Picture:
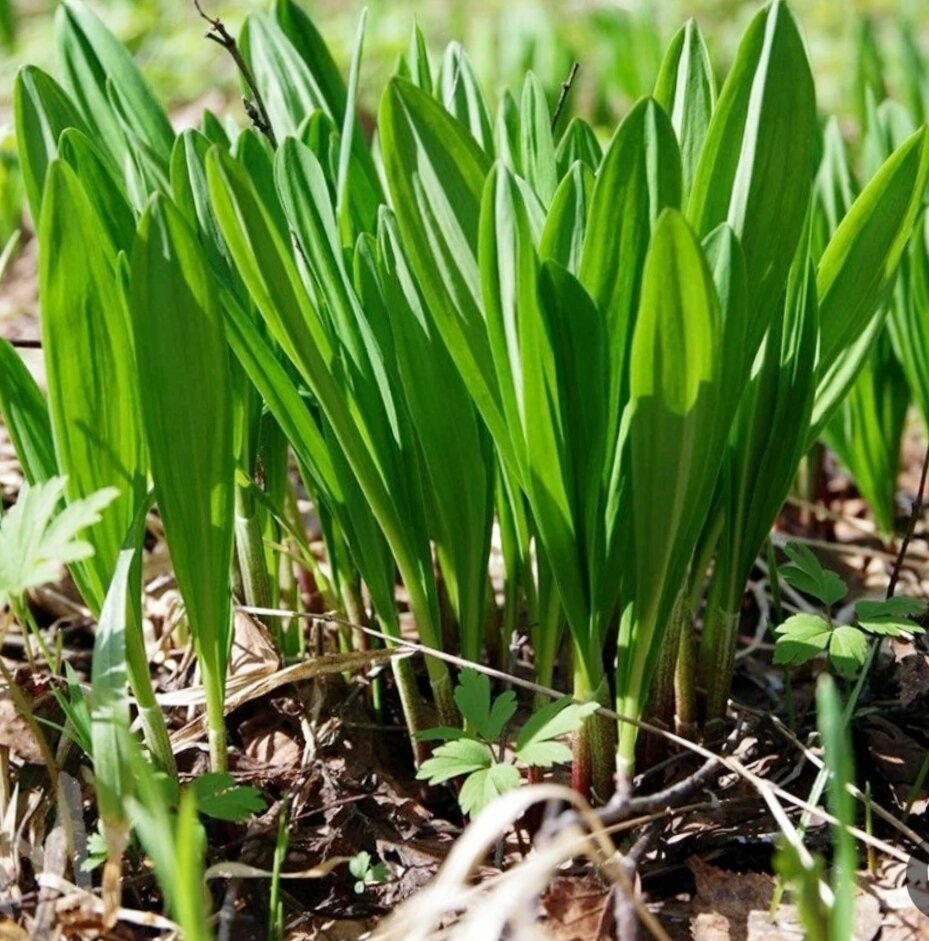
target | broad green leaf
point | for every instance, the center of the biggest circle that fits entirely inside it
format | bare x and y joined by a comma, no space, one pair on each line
436,176
524,359
183,370
43,110
858,267
537,148
92,58
639,177
455,448
25,414
578,144
472,694
96,175
414,63
460,92
566,225
92,379
756,165
507,132
686,89
219,797
113,779
289,89
329,86
441,733
673,457
484,786
866,431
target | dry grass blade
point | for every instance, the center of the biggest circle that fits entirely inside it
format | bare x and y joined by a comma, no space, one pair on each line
505,906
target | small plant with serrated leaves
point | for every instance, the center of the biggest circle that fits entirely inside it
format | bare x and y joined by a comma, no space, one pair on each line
479,752
39,535
805,636
366,872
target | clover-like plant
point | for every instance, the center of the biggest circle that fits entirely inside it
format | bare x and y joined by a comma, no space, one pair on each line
805,635
485,754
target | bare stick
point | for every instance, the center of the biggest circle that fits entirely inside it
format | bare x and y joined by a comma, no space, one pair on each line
915,513
25,344
563,94
256,110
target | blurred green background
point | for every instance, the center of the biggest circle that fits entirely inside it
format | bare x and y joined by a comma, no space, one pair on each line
617,43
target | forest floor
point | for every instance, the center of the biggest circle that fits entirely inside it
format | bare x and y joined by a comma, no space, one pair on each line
345,781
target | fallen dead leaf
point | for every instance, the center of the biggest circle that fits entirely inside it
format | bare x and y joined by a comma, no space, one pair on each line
253,650
898,757
574,908
10,931
270,745
908,925
731,906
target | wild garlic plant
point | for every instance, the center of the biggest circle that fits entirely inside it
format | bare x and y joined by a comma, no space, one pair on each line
618,346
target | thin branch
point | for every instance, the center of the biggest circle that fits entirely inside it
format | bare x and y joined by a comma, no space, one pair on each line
25,344
256,110
563,94
915,514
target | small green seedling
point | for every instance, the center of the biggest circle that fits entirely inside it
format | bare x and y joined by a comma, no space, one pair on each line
38,536
365,873
479,751
804,636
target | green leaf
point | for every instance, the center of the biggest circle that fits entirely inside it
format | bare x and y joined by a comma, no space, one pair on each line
461,92
686,89
288,87
436,175
92,381
441,733
675,380
639,177
329,87
801,638
25,414
183,372
579,144
858,268
414,63
359,864
484,786
503,709
848,648
472,695
833,730
537,149
566,225
537,745
890,618
756,165
219,797
98,177
807,574
43,110
455,759
93,60
36,539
